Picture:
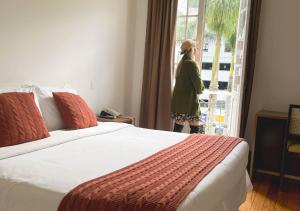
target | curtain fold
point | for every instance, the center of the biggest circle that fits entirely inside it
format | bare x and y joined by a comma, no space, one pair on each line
156,90
250,62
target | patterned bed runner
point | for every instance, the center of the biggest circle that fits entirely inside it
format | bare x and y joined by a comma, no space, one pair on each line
158,183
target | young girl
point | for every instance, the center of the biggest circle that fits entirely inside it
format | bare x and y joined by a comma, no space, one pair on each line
185,102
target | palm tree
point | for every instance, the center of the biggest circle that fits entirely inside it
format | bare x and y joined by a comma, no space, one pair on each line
231,45
221,18
230,36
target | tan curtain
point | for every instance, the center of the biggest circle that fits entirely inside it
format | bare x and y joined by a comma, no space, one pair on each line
156,92
250,62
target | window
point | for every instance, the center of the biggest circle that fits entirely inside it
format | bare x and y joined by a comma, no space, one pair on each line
225,66
223,85
206,66
188,25
206,84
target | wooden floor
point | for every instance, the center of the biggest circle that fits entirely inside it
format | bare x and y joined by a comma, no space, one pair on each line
267,197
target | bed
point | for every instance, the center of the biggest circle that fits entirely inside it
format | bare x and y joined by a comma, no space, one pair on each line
36,176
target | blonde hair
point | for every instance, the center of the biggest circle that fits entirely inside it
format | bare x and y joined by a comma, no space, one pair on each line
188,54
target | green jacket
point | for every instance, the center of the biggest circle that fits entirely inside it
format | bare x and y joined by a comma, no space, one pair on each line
187,88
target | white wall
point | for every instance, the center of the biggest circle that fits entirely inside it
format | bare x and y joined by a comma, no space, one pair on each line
136,49
277,72
97,46
83,43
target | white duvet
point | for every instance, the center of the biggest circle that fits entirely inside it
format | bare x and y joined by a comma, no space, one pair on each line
36,176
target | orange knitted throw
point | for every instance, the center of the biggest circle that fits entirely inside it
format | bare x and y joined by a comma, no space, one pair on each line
158,183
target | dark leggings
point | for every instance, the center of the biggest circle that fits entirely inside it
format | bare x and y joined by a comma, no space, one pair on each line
194,128
178,128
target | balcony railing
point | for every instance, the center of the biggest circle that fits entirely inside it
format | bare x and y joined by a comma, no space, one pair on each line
220,119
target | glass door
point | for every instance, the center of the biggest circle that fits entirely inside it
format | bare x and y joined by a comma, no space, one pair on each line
220,29
235,99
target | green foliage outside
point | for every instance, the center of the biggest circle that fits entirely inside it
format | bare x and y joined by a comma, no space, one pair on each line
221,18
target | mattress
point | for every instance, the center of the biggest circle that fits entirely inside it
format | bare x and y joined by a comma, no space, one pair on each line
36,176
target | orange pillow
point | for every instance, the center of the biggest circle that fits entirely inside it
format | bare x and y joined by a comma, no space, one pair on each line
74,111
20,119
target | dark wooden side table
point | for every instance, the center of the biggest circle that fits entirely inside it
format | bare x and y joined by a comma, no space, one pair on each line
268,143
121,118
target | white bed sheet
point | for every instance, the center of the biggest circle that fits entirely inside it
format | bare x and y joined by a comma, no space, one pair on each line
36,176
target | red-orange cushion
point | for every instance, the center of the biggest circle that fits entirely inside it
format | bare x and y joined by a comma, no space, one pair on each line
20,119
74,111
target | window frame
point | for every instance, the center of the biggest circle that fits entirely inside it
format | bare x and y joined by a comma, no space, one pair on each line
200,28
